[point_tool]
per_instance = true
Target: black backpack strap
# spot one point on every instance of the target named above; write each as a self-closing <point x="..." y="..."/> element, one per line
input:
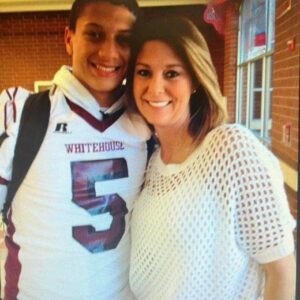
<point x="3" y="136"/>
<point x="151" y="146"/>
<point x="33" y="127"/>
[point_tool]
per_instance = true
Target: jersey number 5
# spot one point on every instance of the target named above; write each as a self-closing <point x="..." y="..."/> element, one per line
<point x="85" y="174"/>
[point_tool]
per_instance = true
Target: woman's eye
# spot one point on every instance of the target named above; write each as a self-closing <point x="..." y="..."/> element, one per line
<point x="171" y="74"/>
<point x="143" y="73"/>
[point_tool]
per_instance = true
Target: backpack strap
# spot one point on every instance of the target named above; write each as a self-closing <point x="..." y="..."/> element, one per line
<point x="33" y="127"/>
<point x="151" y="146"/>
<point x="3" y="136"/>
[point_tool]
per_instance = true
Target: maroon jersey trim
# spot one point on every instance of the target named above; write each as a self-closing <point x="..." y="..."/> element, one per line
<point x="97" y="124"/>
<point x="3" y="181"/>
<point x="12" y="264"/>
<point x="11" y="98"/>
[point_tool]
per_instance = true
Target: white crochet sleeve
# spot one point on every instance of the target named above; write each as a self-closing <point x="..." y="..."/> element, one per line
<point x="264" y="224"/>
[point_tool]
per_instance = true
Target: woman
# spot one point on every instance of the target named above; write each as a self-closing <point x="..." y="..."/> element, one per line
<point x="212" y="221"/>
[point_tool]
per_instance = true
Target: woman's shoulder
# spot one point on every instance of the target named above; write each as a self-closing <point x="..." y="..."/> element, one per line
<point x="232" y="130"/>
<point x="233" y="135"/>
<point x="236" y="140"/>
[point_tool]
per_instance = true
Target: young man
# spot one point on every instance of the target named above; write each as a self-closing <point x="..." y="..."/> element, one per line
<point x="67" y="234"/>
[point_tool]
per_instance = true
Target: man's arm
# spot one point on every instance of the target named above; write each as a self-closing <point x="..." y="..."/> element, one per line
<point x="280" y="279"/>
<point x="4" y="98"/>
<point x="3" y="191"/>
<point x="11" y="105"/>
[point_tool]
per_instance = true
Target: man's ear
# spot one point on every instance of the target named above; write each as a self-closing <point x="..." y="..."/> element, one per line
<point x="68" y="40"/>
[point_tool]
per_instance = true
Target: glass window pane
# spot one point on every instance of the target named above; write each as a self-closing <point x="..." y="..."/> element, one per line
<point x="258" y="25"/>
<point x="271" y="25"/>
<point x="256" y="111"/>
<point x="245" y="30"/>
<point x="256" y="100"/>
<point x="255" y="119"/>
<point x="257" y="28"/>
<point x="258" y="74"/>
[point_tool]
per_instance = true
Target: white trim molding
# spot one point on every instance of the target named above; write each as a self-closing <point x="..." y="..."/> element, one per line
<point x="53" y="5"/>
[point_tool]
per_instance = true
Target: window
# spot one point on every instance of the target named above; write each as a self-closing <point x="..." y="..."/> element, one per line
<point x="254" y="84"/>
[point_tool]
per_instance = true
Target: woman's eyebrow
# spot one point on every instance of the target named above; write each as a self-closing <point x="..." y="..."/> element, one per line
<point x="168" y="65"/>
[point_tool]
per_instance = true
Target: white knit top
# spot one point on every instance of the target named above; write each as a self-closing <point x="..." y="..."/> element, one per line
<point x="201" y="228"/>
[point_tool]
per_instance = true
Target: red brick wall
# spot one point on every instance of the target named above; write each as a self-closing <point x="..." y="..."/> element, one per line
<point x="230" y="58"/>
<point x="285" y="108"/>
<point x="32" y="46"/>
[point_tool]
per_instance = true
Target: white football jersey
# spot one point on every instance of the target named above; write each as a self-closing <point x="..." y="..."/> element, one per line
<point x="68" y="233"/>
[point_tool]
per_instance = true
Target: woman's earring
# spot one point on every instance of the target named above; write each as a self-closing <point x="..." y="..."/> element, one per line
<point x="194" y="91"/>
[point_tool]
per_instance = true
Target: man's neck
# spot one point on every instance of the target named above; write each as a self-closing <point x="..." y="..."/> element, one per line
<point x="108" y="99"/>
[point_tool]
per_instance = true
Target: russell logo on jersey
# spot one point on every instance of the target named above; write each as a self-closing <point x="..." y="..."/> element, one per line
<point x="61" y="128"/>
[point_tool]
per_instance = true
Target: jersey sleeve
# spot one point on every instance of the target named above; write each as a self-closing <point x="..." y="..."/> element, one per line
<point x="11" y="105"/>
<point x="263" y="221"/>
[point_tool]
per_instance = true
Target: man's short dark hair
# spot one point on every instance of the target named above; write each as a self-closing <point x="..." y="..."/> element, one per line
<point x="79" y="5"/>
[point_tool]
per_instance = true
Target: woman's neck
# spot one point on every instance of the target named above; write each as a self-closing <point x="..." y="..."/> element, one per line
<point x="176" y="145"/>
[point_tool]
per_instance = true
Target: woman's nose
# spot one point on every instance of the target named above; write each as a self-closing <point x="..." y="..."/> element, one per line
<point x="155" y="85"/>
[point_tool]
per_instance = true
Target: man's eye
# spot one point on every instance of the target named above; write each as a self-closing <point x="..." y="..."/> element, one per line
<point x="123" y="40"/>
<point x="143" y="73"/>
<point x="96" y="35"/>
<point x="171" y="74"/>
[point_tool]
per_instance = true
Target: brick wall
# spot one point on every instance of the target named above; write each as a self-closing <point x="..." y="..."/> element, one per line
<point x="230" y="58"/>
<point x="285" y="107"/>
<point x="31" y="47"/>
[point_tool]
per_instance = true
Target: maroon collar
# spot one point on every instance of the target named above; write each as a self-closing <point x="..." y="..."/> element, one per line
<point x="97" y="124"/>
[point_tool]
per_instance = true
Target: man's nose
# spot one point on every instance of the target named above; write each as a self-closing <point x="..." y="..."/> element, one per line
<point x="108" y="49"/>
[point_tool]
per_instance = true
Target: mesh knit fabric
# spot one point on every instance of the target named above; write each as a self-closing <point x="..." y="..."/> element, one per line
<point x="201" y="229"/>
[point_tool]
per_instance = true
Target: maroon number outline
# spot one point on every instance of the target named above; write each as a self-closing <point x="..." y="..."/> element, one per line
<point x="84" y="176"/>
